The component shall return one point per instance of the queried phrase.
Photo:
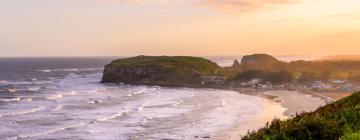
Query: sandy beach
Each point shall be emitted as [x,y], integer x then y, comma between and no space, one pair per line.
[291,102]
[297,102]
[274,110]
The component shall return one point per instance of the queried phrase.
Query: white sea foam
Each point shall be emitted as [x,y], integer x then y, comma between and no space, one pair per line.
[10,100]
[56,96]
[32,135]
[60,96]
[33,89]
[139,92]
[112,116]
[23,112]
[2,82]
[57,108]
[141,108]
[12,90]
[70,70]
[224,102]
[47,71]
[178,103]
[96,90]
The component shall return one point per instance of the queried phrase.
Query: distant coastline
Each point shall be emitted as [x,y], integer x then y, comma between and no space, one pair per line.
[329,79]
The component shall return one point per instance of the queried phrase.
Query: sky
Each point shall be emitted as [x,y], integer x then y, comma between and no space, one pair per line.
[179,27]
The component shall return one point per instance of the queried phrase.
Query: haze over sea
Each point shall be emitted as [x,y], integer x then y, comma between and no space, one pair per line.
[61,98]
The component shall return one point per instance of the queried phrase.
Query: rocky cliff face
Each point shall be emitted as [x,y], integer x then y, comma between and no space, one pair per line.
[113,74]
[160,70]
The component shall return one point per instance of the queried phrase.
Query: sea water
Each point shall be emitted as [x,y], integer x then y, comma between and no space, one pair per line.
[62,98]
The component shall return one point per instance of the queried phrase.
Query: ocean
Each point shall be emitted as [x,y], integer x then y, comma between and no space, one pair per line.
[62,98]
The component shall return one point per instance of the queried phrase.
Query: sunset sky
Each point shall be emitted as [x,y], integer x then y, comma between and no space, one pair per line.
[178,27]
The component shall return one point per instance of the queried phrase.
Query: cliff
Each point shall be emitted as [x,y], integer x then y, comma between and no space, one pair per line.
[159,70]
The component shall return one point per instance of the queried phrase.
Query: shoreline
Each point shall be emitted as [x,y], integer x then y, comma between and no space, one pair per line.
[308,101]
[304,101]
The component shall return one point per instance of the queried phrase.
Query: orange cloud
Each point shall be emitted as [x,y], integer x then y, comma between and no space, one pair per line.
[244,5]
[227,5]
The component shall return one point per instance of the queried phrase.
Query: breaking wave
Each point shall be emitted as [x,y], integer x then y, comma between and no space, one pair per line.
[24,112]
[10,100]
[70,70]
[112,116]
[60,96]
[46,132]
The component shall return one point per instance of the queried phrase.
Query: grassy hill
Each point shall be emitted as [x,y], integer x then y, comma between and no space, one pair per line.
[199,64]
[339,120]
[159,70]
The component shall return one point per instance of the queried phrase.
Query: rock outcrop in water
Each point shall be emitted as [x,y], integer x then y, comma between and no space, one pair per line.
[159,70]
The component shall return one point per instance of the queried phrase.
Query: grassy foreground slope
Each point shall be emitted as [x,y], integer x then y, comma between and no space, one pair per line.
[339,120]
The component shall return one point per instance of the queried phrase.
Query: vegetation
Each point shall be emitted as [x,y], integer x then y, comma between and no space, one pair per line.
[339,120]
[259,66]
[301,71]
[199,64]
[159,70]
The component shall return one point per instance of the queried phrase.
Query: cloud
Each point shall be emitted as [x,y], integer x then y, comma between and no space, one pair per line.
[223,5]
[244,5]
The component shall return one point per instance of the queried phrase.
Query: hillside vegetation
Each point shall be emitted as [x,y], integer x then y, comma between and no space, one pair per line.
[187,69]
[199,64]
[159,70]
[263,66]
[339,120]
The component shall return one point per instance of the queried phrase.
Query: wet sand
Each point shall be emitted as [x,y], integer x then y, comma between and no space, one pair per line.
[274,110]
[291,102]
[297,102]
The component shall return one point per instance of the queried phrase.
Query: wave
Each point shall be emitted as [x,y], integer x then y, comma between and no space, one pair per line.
[96,90]
[70,70]
[17,99]
[57,108]
[112,116]
[10,100]
[60,96]
[136,93]
[12,90]
[46,132]
[139,92]
[178,103]
[27,82]
[28,111]
[141,108]
[2,82]
[223,103]
[33,89]
[54,97]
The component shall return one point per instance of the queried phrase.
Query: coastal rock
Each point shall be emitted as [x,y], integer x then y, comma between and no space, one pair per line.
[259,59]
[158,70]
[236,63]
